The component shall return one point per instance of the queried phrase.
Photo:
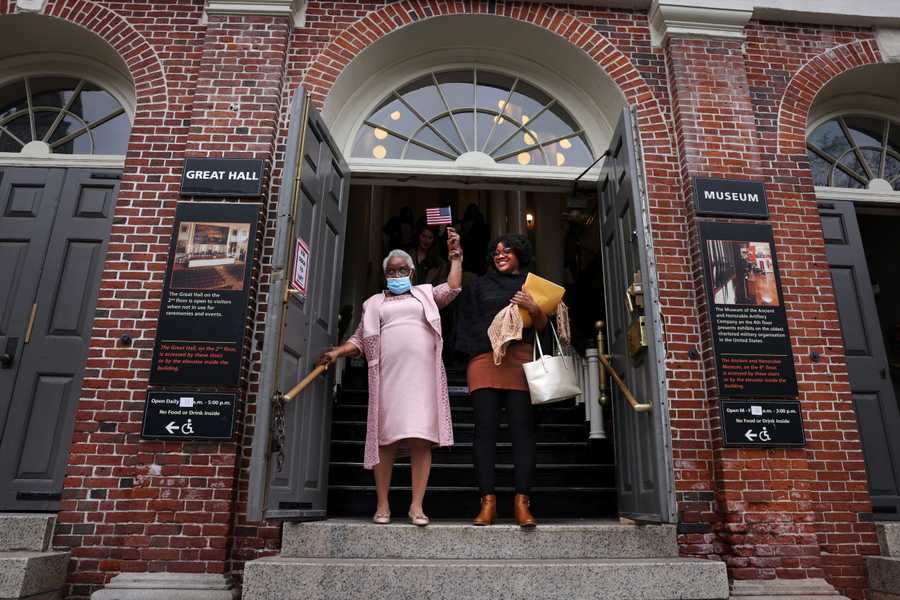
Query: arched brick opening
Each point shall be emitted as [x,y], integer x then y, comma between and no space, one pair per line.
[330,63]
[144,65]
[806,83]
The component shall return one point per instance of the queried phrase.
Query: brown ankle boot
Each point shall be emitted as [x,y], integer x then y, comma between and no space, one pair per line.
[524,518]
[488,513]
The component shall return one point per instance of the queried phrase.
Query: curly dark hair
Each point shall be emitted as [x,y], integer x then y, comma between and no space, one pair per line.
[518,243]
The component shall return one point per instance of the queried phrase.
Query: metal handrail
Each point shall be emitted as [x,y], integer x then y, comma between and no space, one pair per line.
[604,360]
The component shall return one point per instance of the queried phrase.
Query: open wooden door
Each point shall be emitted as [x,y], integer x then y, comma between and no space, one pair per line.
[642,439]
[289,462]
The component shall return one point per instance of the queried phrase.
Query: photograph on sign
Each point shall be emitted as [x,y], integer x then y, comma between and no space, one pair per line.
[301,267]
[742,273]
[750,332]
[202,320]
[210,256]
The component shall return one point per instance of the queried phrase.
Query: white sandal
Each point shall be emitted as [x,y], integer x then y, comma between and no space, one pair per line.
[419,520]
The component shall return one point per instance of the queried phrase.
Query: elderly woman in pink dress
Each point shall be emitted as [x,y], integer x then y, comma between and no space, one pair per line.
[409,409]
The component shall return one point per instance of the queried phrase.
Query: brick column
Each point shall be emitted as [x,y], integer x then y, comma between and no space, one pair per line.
[767,516]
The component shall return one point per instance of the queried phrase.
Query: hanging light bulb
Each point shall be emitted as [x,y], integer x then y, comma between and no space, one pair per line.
[529,220]
[565,144]
[560,159]
[529,141]
[380,133]
[524,158]
[395,116]
[379,151]
[525,119]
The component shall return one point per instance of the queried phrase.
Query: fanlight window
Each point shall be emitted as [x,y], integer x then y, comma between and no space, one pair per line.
[854,151]
[61,115]
[446,114]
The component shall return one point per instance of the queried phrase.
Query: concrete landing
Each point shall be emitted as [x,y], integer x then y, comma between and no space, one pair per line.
[784,589]
[884,570]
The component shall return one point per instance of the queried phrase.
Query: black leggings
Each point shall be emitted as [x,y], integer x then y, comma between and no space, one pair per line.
[520,417]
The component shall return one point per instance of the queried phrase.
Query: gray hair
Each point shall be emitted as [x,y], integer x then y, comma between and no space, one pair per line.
[397,253]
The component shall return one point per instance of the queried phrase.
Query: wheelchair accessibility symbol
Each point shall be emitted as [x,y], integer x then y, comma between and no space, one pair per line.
[188,428]
[762,436]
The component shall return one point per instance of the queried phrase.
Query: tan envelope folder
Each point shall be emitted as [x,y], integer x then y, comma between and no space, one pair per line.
[547,294]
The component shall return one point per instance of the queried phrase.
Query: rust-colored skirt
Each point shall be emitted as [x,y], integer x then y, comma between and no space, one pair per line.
[508,375]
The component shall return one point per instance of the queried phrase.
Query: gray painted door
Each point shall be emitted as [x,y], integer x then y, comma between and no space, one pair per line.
[642,439]
[873,394]
[314,194]
[53,232]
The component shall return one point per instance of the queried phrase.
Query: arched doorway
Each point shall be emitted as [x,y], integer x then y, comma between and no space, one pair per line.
[65,120]
[853,145]
[502,135]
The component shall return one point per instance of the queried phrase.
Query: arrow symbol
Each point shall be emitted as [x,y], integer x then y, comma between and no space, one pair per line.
[171,427]
[750,435]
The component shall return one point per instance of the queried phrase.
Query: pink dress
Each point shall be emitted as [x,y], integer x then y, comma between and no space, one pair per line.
[409,394]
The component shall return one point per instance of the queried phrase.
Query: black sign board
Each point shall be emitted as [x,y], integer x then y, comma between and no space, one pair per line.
[222,177]
[750,331]
[202,319]
[189,415]
[730,198]
[762,423]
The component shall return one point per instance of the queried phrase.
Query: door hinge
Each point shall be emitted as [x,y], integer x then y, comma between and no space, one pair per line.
[31,322]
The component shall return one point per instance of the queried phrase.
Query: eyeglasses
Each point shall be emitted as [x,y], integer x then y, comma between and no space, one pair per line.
[404,272]
[504,252]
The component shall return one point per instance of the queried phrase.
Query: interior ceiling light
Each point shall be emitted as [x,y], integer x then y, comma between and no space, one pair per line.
[525,119]
[380,133]
[565,144]
[529,141]
[560,159]
[395,115]
[379,151]
[501,104]
[524,158]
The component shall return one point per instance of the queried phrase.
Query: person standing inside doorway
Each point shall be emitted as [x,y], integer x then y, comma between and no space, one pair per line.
[494,386]
[409,407]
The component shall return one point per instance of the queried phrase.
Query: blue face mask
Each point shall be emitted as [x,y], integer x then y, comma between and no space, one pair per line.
[398,285]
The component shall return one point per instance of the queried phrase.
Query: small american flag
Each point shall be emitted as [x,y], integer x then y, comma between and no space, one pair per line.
[438,216]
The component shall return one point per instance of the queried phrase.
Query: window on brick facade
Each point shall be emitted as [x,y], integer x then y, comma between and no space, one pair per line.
[61,115]
[445,114]
[855,151]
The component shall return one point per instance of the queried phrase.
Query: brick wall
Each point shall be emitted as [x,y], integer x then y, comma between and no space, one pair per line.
[705,107]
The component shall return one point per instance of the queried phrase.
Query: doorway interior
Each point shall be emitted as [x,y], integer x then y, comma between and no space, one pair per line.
[575,473]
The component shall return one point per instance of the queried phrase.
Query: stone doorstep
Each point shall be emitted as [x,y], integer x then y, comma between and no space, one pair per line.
[27,532]
[884,574]
[167,586]
[589,539]
[889,538]
[550,579]
[882,596]
[791,589]
[25,574]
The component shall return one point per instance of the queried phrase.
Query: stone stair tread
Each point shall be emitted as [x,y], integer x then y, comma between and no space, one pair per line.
[439,579]
[884,573]
[559,539]
[26,573]
[889,539]
[26,531]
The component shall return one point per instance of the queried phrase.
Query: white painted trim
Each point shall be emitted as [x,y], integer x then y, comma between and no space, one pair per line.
[857,196]
[293,9]
[668,19]
[428,168]
[33,6]
[96,161]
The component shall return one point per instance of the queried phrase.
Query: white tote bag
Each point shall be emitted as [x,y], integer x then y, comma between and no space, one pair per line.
[551,378]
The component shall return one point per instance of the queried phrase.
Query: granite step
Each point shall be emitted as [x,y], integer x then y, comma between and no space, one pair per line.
[451,579]
[784,589]
[26,531]
[884,576]
[573,539]
[889,539]
[25,574]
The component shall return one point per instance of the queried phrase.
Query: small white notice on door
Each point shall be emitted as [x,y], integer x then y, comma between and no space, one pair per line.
[186,402]
[756,410]
[300,274]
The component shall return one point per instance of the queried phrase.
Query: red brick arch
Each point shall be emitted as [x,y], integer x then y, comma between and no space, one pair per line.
[807,82]
[144,64]
[328,65]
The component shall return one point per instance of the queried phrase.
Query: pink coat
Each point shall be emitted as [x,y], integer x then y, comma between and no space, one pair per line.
[368,339]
